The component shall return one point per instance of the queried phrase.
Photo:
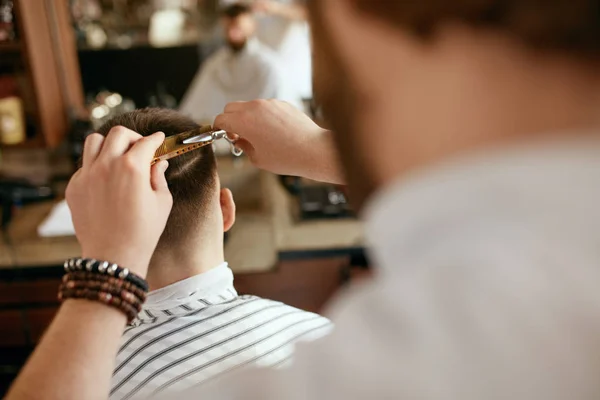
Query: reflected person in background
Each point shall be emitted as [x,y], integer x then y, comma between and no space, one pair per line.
[245,69]
[283,26]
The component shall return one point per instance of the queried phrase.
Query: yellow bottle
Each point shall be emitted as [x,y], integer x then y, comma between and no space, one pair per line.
[12,122]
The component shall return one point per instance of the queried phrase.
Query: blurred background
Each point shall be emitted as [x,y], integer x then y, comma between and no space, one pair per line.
[66,66]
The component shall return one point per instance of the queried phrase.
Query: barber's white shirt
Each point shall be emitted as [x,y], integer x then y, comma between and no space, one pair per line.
[256,72]
[488,288]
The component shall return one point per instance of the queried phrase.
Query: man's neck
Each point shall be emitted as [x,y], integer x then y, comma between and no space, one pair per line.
[173,265]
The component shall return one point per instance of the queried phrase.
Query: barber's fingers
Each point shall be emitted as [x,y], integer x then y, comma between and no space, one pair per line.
[227,122]
[91,149]
[245,146]
[232,118]
[233,136]
[117,142]
[144,149]
[157,176]
[235,106]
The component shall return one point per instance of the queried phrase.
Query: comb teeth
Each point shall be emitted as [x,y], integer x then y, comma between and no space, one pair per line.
[178,152]
[168,145]
[162,150]
[172,146]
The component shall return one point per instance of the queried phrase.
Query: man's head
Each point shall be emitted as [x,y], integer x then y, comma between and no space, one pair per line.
[239,25]
[201,209]
[406,84]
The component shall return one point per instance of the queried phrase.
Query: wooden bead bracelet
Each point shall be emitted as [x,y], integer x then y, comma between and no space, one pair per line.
[104,287]
[102,297]
[90,276]
[104,282]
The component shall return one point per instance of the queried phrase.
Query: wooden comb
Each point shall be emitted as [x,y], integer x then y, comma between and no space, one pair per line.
[173,146]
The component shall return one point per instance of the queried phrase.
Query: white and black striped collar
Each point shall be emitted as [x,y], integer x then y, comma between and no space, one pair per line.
[213,286]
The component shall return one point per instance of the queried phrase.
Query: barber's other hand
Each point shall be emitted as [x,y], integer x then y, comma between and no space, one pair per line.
[119,203]
[279,138]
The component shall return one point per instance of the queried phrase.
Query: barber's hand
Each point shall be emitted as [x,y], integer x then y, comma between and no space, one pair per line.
[119,203]
[281,139]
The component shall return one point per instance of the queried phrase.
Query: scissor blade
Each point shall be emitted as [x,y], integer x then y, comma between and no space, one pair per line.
[205,137]
[202,138]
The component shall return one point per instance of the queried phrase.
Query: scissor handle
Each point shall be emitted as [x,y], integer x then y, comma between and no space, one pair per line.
[236,151]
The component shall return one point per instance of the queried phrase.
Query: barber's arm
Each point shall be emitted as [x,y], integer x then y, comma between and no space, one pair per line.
[281,139]
[120,207]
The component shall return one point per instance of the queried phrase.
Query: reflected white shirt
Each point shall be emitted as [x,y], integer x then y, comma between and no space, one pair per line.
[291,40]
[487,289]
[256,72]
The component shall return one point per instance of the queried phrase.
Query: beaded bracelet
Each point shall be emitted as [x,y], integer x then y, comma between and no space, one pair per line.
[105,282]
[105,268]
[104,287]
[91,276]
[103,297]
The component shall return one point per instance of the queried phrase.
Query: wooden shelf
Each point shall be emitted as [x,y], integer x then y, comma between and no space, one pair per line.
[10,47]
[139,44]
[31,143]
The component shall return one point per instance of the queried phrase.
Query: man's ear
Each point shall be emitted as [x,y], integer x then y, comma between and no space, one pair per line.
[227,208]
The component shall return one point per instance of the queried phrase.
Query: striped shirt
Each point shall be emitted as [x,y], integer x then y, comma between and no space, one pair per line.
[199,328]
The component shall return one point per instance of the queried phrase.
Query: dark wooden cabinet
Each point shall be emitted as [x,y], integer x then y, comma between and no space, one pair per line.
[26,309]
[11,328]
[305,284]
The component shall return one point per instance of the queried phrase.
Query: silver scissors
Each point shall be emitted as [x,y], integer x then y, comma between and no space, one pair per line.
[212,136]
[184,142]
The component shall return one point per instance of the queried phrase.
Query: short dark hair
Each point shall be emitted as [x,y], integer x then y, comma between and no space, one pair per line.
[568,26]
[235,10]
[192,177]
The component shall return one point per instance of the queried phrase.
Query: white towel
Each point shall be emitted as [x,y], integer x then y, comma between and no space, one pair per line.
[58,222]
